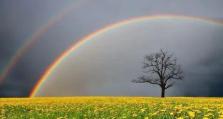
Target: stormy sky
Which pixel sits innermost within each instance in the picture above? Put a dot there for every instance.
(107, 63)
(20, 19)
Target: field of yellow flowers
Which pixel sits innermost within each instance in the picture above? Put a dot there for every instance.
(111, 108)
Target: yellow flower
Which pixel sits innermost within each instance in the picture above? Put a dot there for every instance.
(163, 110)
(142, 110)
(221, 116)
(180, 118)
(155, 113)
(191, 114)
(134, 115)
(146, 118)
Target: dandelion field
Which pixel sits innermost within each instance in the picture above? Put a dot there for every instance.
(111, 108)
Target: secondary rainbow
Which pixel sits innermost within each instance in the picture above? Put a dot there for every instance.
(35, 37)
(82, 41)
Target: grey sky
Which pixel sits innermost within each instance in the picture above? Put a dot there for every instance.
(20, 19)
(106, 64)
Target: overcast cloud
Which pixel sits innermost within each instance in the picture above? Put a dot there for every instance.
(20, 19)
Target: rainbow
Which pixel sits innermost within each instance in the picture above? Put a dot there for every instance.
(35, 37)
(85, 39)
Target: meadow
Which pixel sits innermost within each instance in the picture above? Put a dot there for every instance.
(111, 108)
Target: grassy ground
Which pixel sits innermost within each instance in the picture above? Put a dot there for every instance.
(111, 108)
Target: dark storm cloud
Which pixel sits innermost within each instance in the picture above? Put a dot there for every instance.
(214, 65)
(207, 73)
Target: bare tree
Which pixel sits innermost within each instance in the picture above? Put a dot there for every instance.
(161, 69)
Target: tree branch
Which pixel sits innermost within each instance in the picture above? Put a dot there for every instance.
(143, 79)
(169, 85)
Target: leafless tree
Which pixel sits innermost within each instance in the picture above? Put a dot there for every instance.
(161, 69)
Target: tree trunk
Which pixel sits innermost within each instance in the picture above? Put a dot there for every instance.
(162, 92)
